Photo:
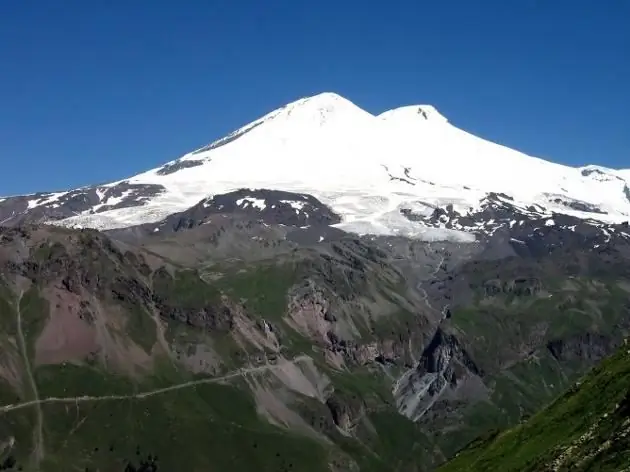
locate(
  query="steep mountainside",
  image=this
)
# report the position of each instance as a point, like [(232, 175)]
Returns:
[(585, 429), (114, 358), (355, 353)]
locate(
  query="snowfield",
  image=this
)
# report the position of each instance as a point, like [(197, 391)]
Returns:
[(366, 168)]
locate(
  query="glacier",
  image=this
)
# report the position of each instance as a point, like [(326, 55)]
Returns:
[(367, 168)]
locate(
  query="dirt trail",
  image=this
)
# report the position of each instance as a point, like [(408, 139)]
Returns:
[(38, 450), (150, 393), (425, 296)]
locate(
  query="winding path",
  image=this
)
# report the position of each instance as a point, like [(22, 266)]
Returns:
[(39, 431), (150, 393), (425, 295)]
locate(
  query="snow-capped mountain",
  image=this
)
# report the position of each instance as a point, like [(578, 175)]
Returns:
[(373, 171)]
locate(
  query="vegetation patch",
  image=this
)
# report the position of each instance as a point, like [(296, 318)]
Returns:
[(206, 427), (585, 429), (34, 311), (263, 289), (71, 380), (7, 310), (141, 328)]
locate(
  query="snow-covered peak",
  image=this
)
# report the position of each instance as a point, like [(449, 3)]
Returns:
[(413, 114), (365, 167), (297, 119), (325, 102), (324, 108)]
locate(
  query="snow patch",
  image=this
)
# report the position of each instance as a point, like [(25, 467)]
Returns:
[(297, 205), (41, 201), (250, 201), (114, 200)]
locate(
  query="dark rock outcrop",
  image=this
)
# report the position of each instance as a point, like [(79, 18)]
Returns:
[(51, 206), (590, 347), (178, 165)]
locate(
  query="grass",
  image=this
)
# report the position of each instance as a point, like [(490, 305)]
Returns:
[(385, 440), (514, 393), (393, 325), (34, 312), (587, 412), (381, 440), (185, 289), (363, 382), (477, 419), (528, 385), (8, 394), (141, 328), (504, 326), (48, 251), (400, 442), (206, 428), (187, 338), (504, 322), (263, 288), (19, 426), (70, 380), (7, 310)]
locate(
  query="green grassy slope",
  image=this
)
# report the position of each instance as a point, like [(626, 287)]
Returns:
[(530, 346), (207, 427), (585, 429), (98, 421)]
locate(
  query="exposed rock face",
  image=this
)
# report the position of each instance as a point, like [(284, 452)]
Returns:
[(590, 347), (577, 205), (346, 410), (310, 312), (534, 230), (50, 206), (178, 165), (444, 364), (205, 311), (227, 139), (309, 219), (522, 286), (271, 206)]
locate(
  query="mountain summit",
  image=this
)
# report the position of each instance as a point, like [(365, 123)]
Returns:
[(371, 170)]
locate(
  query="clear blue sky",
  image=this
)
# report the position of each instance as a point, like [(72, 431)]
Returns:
[(97, 90)]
